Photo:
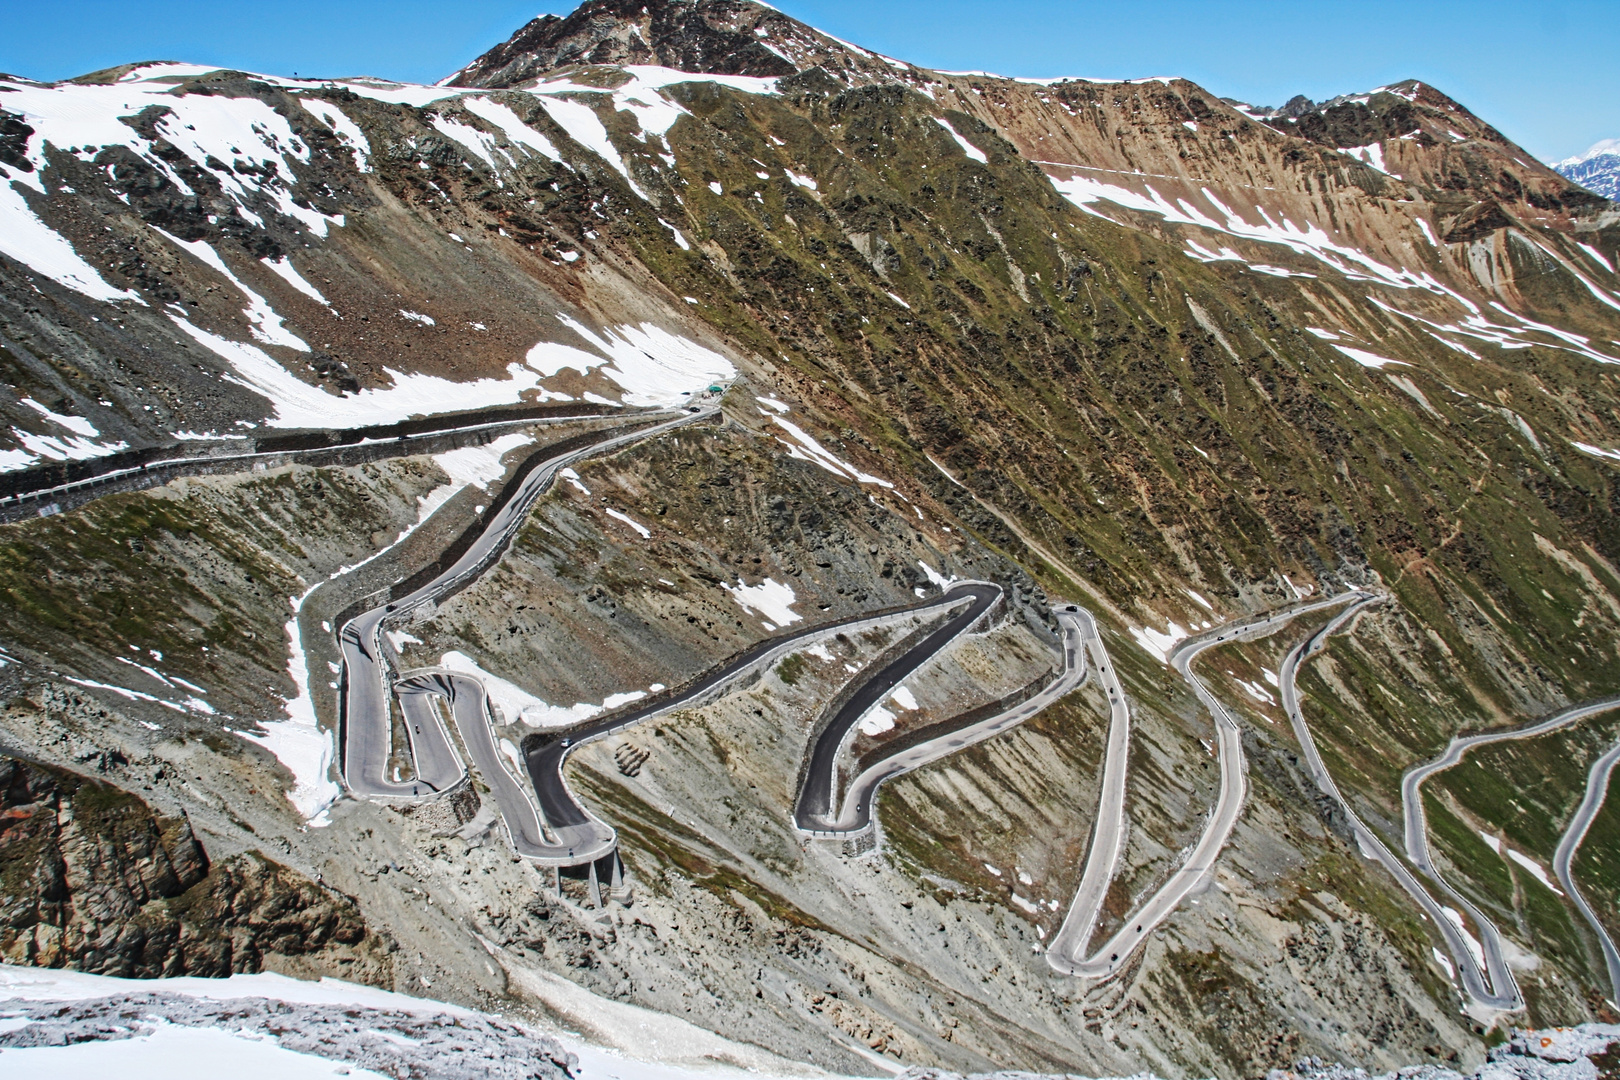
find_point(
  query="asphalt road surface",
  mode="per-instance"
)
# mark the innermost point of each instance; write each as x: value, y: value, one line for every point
x: 1066, y: 953
x: 1416, y: 829
x: 366, y: 721
x: 860, y: 800
x: 422, y: 693
x: 1192, y: 874
x: 544, y: 760
x: 1597, y: 785
x: 814, y: 810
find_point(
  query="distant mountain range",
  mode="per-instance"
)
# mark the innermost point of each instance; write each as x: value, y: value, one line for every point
x: 1596, y: 170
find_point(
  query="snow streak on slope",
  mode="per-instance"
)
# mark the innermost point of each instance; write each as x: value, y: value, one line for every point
x: 346, y: 130
x: 297, y: 404
x: 27, y: 239
x: 1310, y: 241
x: 513, y: 703
x: 77, y: 445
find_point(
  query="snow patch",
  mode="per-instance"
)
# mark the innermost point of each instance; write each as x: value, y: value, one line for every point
x: 284, y: 269
x: 1367, y: 359
x: 346, y: 130
x: 645, y: 532
x: 1159, y: 643
x: 968, y: 148
x: 770, y: 599
x: 515, y: 703
x: 876, y: 721
x: 28, y: 240
x: 808, y: 449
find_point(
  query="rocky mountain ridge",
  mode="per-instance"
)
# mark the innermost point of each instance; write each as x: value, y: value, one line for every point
x: 1118, y: 343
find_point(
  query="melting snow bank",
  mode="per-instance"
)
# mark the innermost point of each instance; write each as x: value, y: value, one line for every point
x: 1157, y: 643
x: 64, y: 1024
x: 513, y: 703
x: 299, y: 742
x: 770, y: 599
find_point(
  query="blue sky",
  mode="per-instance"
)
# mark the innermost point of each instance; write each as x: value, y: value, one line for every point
x: 1545, y: 73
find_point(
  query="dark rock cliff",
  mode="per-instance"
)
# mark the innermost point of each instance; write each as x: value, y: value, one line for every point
x: 92, y: 879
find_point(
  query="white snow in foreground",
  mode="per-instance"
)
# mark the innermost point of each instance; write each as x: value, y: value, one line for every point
x: 1475, y: 950
x: 772, y: 403
x: 1444, y: 961
x: 651, y: 365
x: 1159, y: 643
x: 513, y: 703
x: 808, y: 449
x: 1492, y: 842
x: 1367, y: 359
x: 802, y: 181
x: 1428, y: 233
x: 177, y: 1052
x: 904, y: 698
x: 967, y: 148
x: 617, y: 515
x: 1199, y: 599
x: 770, y: 599
x: 347, y: 131
x: 286, y: 271
x: 1535, y: 869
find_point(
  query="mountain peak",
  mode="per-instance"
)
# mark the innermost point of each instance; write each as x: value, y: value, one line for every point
x: 1596, y: 170
x: 718, y: 37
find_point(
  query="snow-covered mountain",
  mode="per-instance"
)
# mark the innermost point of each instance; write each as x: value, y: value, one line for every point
x: 1596, y: 170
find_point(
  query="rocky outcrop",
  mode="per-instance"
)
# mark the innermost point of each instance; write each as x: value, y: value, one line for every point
x: 725, y: 37
x: 92, y: 879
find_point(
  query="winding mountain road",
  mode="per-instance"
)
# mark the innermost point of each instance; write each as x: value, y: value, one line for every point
x: 546, y: 755
x: 365, y: 709
x: 1597, y: 786
x: 1066, y: 954
x: 856, y: 811
x: 813, y: 812
x: 1502, y: 993
x: 1416, y: 828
